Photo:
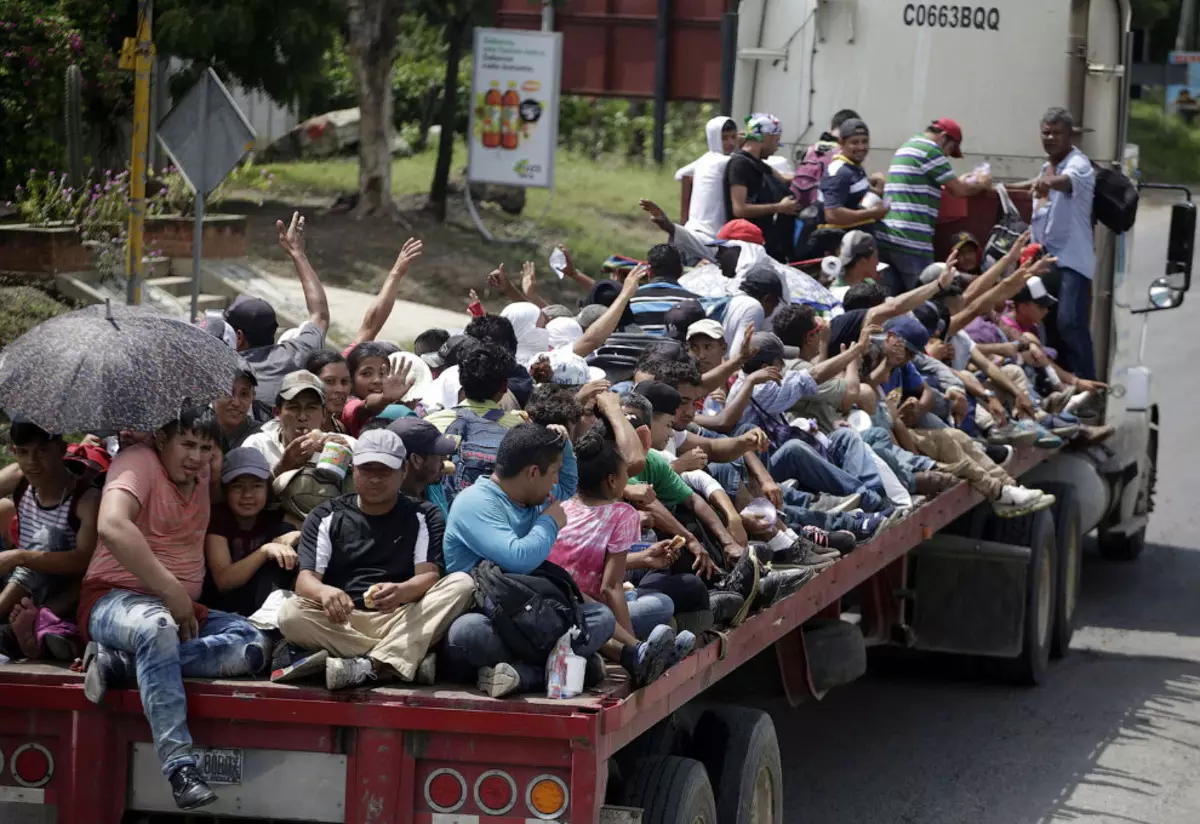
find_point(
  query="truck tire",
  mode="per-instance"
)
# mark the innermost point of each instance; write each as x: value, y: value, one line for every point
x: 672, y: 790
x: 836, y: 651
x: 1117, y: 546
x: 1037, y: 532
x: 738, y: 747
x: 1069, y: 556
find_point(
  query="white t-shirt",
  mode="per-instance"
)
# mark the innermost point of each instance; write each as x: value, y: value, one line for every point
x: 706, y: 212
x: 963, y: 347
x: 742, y: 311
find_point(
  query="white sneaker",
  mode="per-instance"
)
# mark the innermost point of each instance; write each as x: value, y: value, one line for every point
x: 499, y: 681
x: 1015, y: 501
x: 348, y: 672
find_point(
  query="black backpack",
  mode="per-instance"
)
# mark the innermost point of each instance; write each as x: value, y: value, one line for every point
x: 530, y: 612
x: 1115, y: 201
x: 1007, y: 230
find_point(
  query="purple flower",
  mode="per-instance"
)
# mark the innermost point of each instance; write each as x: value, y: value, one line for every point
x: 33, y: 171
x: 51, y: 174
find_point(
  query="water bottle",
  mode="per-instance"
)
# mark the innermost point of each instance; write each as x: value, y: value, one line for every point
x: 558, y: 262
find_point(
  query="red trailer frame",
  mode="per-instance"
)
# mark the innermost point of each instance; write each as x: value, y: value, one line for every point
x: 394, y: 737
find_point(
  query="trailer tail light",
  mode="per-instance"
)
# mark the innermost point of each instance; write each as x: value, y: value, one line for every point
x: 495, y: 792
x: 445, y: 790
x: 32, y: 765
x: 546, y: 796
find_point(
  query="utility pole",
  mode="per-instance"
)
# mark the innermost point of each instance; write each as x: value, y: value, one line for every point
x: 1187, y: 17
x: 143, y: 61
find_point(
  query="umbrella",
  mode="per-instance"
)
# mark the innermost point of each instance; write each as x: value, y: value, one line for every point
x: 106, y: 368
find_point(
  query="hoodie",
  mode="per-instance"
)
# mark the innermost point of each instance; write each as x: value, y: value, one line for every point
x: 706, y: 215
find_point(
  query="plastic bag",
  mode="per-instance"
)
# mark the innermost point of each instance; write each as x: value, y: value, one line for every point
x: 558, y: 262
x: 761, y: 509
x: 980, y: 174
x: 560, y: 667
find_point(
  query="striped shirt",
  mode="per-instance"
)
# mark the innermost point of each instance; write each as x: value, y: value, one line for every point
x: 652, y: 302
x: 914, y: 186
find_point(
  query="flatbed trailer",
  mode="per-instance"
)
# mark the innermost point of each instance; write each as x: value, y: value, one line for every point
x: 433, y: 755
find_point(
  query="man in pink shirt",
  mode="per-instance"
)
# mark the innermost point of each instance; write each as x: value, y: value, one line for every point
x: 137, y: 604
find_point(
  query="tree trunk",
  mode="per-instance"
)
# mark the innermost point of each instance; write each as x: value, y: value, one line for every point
x: 456, y: 30
x: 374, y: 27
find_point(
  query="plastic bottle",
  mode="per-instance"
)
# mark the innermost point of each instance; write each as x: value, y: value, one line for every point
x: 510, y: 117
x: 492, y: 110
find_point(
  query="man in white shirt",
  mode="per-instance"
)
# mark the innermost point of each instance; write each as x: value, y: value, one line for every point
x: 706, y: 209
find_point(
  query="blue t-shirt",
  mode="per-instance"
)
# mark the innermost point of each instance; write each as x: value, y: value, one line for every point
x: 908, y: 379
x: 844, y: 186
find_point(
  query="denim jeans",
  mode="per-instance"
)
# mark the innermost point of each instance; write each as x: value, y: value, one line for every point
x: 796, y: 508
x: 648, y: 610
x: 472, y: 642
x: 1074, y: 321
x: 729, y: 475
x: 903, y: 272
x: 685, y: 589
x: 228, y: 645
x: 904, y: 463
x: 849, y: 471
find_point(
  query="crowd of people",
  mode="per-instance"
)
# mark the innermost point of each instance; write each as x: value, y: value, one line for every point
x: 658, y: 461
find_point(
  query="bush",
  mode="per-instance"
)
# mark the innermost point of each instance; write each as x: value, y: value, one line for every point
x: 1170, y: 148
x: 22, y: 308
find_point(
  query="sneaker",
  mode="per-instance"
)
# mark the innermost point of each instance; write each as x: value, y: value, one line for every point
x: 1047, y: 439
x: 934, y: 482
x: 867, y: 525
x: 1000, y: 455
x: 427, y: 670
x: 1092, y: 435
x: 742, y: 580
x: 285, y: 653
x: 1056, y: 401
x: 310, y: 665
x: 348, y: 672
x: 768, y: 591
x: 61, y: 647
x: 189, y: 790
x: 499, y: 681
x: 1065, y: 426
x: 835, y: 503
x: 1015, y: 501
x: 789, y: 581
x: 1011, y: 433
x: 835, y: 543
x: 647, y: 660
x: 725, y: 606
x: 103, y: 667
x: 802, y: 554
x: 685, y: 642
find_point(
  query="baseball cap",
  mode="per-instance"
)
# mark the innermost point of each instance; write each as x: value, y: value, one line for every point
x: 762, y: 281
x: 214, y: 324
x: 1035, y: 290
x: 253, y: 316
x: 663, y: 397
x: 303, y: 381
x: 932, y: 272
x: 707, y: 327
x: 570, y: 369
x: 739, y: 229
x: 590, y: 314
x: 856, y: 245
x: 910, y: 330
x: 761, y: 124
x: 381, y: 446
x: 557, y: 310
x: 952, y: 130
x: 681, y: 316
x: 962, y: 239
x: 769, y: 346
x: 244, y: 460
x: 423, y: 438
x: 852, y: 127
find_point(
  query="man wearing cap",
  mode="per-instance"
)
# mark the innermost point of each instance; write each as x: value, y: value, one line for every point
x: 371, y: 600
x: 761, y: 294
x: 756, y: 192
x: 859, y: 260
x: 294, y: 438
x: 682, y: 317
x: 653, y: 300
x: 919, y: 171
x: 428, y: 452
x: 846, y: 184
x: 970, y: 253
x: 254, y: 324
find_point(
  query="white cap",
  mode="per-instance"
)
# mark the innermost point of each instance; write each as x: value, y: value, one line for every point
x: 707, y: 327
x: 380, y: 446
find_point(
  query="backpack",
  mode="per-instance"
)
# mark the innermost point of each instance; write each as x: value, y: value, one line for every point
x: 806, y: 184
x: 530, y: 612
x: 1115, y: 199
x: 1008, y: 229
x: 479, y: 440
x: 306, y: 489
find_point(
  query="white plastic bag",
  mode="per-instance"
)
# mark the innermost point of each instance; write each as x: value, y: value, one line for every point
x: 558, y: 262
x: 557, y: 663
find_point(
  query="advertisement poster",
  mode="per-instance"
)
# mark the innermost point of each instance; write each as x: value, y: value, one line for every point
x: 514, y: 107
x: 1184, y: 100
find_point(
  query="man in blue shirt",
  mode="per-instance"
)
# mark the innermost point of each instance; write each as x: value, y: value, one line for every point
x: 1062, y: 223
x: 845, y: 183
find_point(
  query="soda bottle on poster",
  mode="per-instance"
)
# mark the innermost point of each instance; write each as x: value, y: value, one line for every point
x: 510, y: 120
x: 492, y: 110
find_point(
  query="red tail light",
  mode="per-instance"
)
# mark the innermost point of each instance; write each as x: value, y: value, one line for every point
x: 32, y: 765
x: 445, y: 790
x: 495, y: 792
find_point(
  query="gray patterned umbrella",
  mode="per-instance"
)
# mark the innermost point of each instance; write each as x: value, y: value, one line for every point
x: 106, y: 368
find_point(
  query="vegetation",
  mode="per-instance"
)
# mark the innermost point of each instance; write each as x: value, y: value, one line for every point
x: 22, y: 308
x: 1170, y: 148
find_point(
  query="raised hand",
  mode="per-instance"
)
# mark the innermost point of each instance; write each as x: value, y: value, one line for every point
x: 398, y: 383
x: 410, y: 251
x: 529, y: 279
x: 291, y: 237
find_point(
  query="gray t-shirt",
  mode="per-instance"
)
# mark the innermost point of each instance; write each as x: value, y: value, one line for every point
x: 271, y: 363
x: 823, y: 407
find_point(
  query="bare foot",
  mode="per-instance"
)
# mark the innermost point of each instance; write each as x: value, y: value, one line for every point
x: 22, y: 620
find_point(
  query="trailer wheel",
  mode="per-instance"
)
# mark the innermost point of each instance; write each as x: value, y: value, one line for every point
x: 672, y: 790
x: 1118, y: 546
x: 1068, y: 531
x: 738, y: 747
x: 836, y: 652
x: 1037, y: 532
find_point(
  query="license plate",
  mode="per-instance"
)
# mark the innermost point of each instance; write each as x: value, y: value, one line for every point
x: 220, y: 766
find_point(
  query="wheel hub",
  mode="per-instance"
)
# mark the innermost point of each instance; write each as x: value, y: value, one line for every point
x: 762, y: 803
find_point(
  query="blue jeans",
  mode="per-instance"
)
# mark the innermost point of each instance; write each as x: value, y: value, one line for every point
x: 904, y: 270
x: 648, y: 610
x: 685, y: 589
x: 904, y: 463
x: 472, y: 642
x: 228, y: 646
x: 850, y: 469
x: 1074, y: 323
x: 796, y: 507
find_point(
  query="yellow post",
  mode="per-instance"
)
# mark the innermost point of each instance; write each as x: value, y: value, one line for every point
x: 142, y: 63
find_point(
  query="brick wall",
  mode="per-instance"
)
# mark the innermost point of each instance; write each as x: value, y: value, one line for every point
x: 224, y: 236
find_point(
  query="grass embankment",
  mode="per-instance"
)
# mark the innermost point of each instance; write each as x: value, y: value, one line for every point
x: 1169, y: 147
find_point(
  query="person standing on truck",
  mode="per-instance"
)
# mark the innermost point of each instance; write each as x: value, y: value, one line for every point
x: 137, y: 604
x: 756, y: 192
x: 1062, y: 223
x: 846, y: 185
x: 371, y: 599
x: 706, y: 207
x: 919, y: 171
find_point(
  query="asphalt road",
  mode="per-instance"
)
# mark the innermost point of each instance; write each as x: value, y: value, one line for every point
x: 1114, y: 736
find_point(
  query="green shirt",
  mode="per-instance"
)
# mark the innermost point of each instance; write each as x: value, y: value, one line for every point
x: 914, y: 186
x: 671, y: 489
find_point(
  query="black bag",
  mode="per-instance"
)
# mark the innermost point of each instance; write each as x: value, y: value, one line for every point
x: 1115, y: 201
x: 1008, y: 229
x: 530, y: 612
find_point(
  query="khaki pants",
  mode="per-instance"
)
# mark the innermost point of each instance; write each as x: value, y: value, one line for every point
x: 399, y: 639
x: 959, y: 455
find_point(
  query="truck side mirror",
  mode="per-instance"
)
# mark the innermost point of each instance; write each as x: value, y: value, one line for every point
x: 1163, y: 295
x: 1180, y: 246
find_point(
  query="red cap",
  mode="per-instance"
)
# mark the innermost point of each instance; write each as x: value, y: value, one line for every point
x: 744, y: 230
x: 1030, y: 252
x: 952, y: 130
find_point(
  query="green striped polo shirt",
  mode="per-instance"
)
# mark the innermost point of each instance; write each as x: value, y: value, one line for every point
x: 914, y: 187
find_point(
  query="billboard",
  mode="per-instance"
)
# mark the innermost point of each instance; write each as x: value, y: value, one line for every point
x: 1184, y: 99
x: 514, y: 107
